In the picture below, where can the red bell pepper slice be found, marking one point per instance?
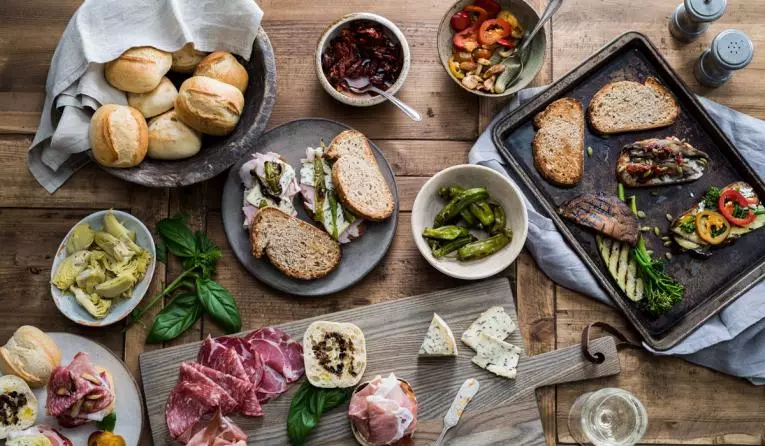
(727, 205)
(493, 30)
(490, 6)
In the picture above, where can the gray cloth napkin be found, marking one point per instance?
(731, 342)
(101, 30)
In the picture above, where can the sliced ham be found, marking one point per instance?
(242, 391)
(279, 351)
(219, 431)
(251, 360)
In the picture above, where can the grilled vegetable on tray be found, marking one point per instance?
(603, 213)
(723, 216)
(657, 162)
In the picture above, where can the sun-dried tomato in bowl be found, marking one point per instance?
(362, 49)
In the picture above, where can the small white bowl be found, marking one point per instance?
(428, 204)
(66, 303)
(361, 100)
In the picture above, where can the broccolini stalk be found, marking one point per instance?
(662, 291)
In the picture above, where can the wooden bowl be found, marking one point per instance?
(218, 152)
(536, 51)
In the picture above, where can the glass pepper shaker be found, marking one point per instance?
(730, 50)
(692, 17)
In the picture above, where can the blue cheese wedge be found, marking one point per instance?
(439, 340)
(497, 356)
(494, 322)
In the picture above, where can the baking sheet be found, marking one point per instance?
(710, 283)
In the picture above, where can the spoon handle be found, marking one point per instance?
(409, 111)
(552, 7)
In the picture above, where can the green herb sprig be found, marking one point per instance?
(307, 406)
(194, 290)
(662, 291)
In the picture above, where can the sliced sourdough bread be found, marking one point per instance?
(361, 188)
(351, 142)
(294, 247)
(628, 106)
(558, 146)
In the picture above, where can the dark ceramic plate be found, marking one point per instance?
(218, 152)
(359, 257)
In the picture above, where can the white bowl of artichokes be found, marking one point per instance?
(103, 268)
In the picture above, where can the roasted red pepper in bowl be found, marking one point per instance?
(493, 30)
(460, 21)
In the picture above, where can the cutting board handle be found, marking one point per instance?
(569, 364)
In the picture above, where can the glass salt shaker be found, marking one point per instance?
(692, 17)
(730, 50)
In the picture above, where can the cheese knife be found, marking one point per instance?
(466, 393)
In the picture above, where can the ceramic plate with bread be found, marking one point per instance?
(190, 114)
(312, 208)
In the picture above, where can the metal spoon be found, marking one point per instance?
(362, 85)
(517, 58)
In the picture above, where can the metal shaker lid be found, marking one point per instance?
(733, 49)
(705, 10)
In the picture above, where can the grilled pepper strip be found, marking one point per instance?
(470, 220)
(727, 205)
(273, 173)
(500, 220)
(449, 192)
(712, 227)
(484, 248)
(460, 202)
(482, 211)
(452, 246)
(445, 232)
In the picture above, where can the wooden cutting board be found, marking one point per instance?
(503, 412)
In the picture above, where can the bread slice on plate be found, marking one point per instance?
(628, 106)
(296, 248)
(558, 146)
(362, 189)
(351, 142)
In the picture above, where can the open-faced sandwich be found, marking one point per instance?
(658, 162)
(39, 435)
(268, 181)
(723, 216)
(80, 392)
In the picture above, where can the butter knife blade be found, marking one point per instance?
(464, 396)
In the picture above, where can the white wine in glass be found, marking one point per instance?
(607, 417)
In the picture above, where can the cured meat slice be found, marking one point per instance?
(242, 391)
(272, 385)
(188, 402)
(55, 437)
(220, 431)
(217, 356)
(79, 392)
(384, 411)
(251, 360)
(279, 351)
(192, 375)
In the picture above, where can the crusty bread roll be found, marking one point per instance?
(31, 355)
(224, 67)
(18, 404)
(119, 136)
(155, 102)
(138, 70)
(335, 354)
(187, 58)
(171, 139)
(209, 105)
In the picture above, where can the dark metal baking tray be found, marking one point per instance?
(710, 283)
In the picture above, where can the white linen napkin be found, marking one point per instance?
(101, 30)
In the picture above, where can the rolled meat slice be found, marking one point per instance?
(384, 411)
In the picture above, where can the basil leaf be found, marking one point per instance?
(107, 423)
(220, 305)
(176, 236)
(175, 318)
(307, 406)
(161, 251)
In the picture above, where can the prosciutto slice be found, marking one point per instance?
(219, 431)
(251, 360)
(217, 356)
(279, 351)
(272, 385)
(239, 389)
(188, 403)
(192, 375)
(79, 392)
(383, 412)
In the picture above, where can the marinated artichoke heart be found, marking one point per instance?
(81, 238)
(97, 307)
(118, 286)
(114, 247)
(115, 228)
(90, 277)
(69, 269)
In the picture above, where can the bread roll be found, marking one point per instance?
(138, 70)
(119, 136)
(171, 139)
(187, 58)
(209, 105)
(31, 355)
(224, 67)
(155, 102)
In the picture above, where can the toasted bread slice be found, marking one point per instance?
(351, 142)
(558, 146)
(628, 106)
(294, 247)
(362, 189)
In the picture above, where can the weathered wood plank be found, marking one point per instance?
(686, 404)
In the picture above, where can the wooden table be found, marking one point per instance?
(686, 403)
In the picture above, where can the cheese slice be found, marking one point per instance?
(497, 356)
(494, 322)
(439, 340)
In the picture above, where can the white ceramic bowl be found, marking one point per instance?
(428, 204)
(66, 303)
(361, 100)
